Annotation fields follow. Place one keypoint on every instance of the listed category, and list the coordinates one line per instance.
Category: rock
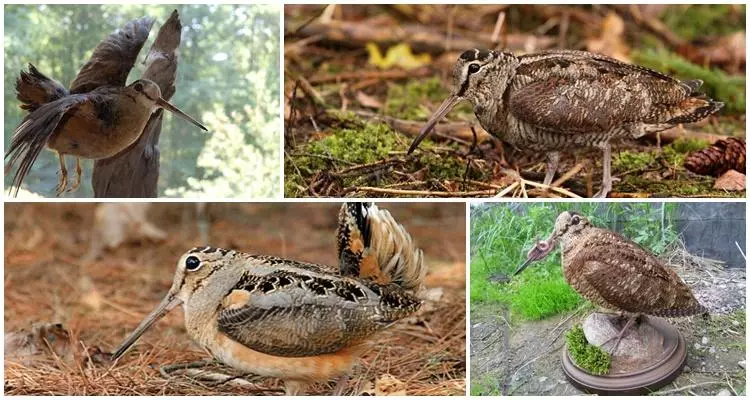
(687, 369)
(704, 341)
(697, 346)
(542, 379)
(599, 330)
(741, 364)
(724, 392)
(712, 350)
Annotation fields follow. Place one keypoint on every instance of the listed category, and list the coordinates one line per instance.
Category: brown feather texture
(616, 273)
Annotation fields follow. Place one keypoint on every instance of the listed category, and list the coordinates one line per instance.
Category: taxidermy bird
(97, 119)
(615, 273)
(301, 322)
(562, 100)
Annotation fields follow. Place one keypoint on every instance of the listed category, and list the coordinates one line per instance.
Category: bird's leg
(553, 159)
(632, 319)
(341, 385)
(606, 172)
(77, 181)
(295, 388)
(62, 182)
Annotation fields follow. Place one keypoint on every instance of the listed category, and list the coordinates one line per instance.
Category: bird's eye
(192, 263)
(575, 220)
(473, 68)
(138, 87)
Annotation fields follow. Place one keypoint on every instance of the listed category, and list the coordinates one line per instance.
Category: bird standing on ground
(562, 100)
(615, 273)
(97, 119)
(301, 322)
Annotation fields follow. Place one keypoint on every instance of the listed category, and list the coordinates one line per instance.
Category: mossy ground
(585, 355)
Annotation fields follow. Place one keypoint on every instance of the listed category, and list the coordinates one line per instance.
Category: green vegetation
(694, 21)
(357, 143)
(406, 101)
(501, 234)
(227, 77)
(586, 356)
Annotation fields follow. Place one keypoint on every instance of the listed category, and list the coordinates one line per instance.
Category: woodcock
(562, 100)
(300, 322)
(614, 272)
(98, 118)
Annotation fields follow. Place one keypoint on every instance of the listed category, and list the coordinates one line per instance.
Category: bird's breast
(313, 368)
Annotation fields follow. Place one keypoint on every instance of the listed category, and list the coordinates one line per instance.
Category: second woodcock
(563, 100)
(301, 322)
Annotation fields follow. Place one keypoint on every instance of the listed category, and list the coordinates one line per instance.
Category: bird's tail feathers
(372, 245)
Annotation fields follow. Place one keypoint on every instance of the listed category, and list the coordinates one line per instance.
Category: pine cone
(718, 158)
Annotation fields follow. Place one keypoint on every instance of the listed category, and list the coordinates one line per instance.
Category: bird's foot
(77, 181)
(62, 183)
(341, 384)
(628, 325)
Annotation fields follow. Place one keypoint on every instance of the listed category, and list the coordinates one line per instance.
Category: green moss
(408, 101)
(587, 356)
(365, 145)
(632, 160)
(694, 21)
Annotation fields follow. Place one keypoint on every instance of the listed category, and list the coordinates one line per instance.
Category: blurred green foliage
(228, 78)
(502, 233)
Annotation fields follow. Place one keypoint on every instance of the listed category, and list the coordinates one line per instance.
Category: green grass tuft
(586, 356)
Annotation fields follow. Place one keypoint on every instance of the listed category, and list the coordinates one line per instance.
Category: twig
(419, 192)
(568, 175)
(688, 387)
(366, 75)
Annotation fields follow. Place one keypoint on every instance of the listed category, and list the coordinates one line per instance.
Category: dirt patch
(102, 301)
(524, 358)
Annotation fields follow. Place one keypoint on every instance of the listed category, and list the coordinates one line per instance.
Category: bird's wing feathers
(569, 92)
(33, 89)
(630, 277)
(114, 57)
(293, 314)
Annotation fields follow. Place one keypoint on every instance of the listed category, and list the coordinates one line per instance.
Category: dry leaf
(388, 385)
(368, 101)
(399, 55)
(731, 181)
(611, 39)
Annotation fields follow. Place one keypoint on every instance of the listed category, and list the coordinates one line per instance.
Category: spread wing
(113, 58)
(40, 125)
(294, 314)
(33, 89)
(632, 279)
(572, 92)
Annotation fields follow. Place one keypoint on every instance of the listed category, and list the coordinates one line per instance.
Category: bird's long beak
(444, 109)
(169, 107)
(169, 302)
(539, 251)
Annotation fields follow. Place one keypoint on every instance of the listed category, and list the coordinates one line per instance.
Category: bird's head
(476, 74)
(568, 224)
(194, 272)
(148, 92)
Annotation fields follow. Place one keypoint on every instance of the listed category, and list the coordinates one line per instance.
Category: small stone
(735, 323)
(687, 369)
(697, 346)
(741, 364)
(703, 363)
(724, 392)
(542, 379)
(712, 350)
(704, 341)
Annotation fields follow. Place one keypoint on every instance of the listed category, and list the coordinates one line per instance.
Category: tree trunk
(134, 172)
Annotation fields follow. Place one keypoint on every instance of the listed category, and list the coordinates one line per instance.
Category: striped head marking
(476, 75)
(567, 224)
(194, 270)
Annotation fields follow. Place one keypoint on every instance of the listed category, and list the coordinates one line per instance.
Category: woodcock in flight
(98, 118)
(615, 273)
(562, 100)
(300, 322)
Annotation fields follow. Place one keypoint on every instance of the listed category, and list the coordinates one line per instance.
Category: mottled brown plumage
(562, 100)
(614, 272)
(292, 320)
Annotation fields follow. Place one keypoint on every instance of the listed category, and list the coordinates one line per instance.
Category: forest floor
(100, 302)
(524, 357)
(357, 95)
